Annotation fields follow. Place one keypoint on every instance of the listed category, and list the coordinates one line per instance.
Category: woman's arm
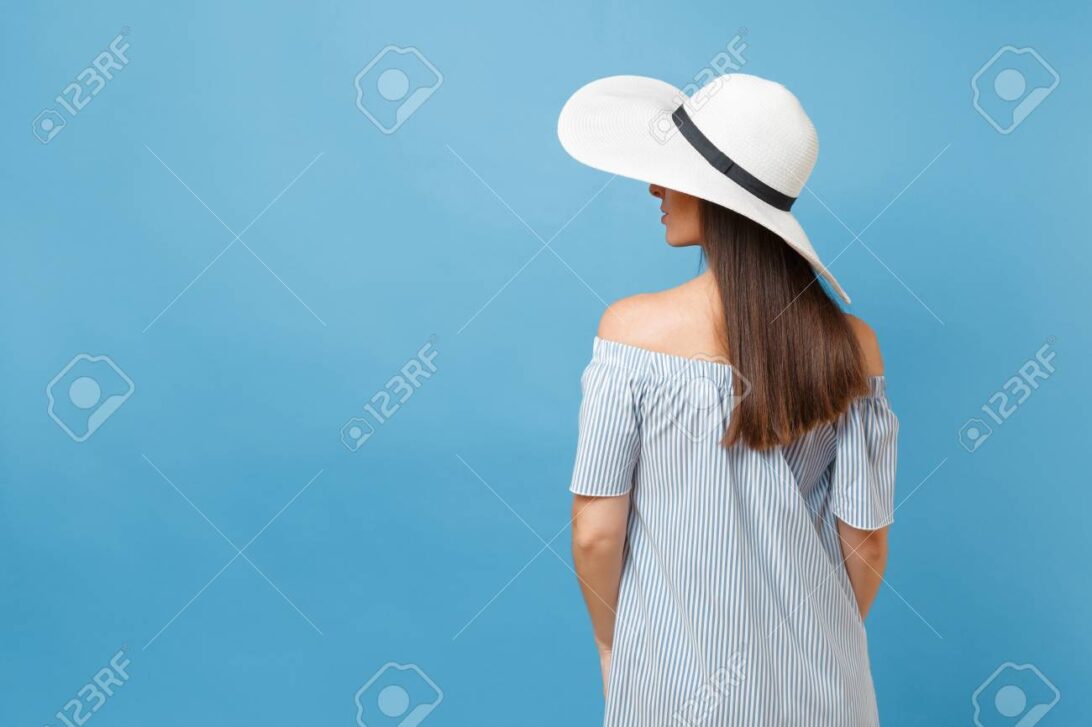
(599, 538)
(865, 551)
(865, 554)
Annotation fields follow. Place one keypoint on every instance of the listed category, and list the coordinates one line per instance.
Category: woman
(735, 468)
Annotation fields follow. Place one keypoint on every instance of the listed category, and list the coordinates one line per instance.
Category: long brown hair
(786, 336)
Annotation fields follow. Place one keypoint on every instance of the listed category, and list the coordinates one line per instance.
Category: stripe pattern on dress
(734, 606)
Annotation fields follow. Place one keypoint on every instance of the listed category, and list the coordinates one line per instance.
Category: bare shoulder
(869, 345)
(676, 321)
(633, 320)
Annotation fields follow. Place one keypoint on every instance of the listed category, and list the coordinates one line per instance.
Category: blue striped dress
(735, 607)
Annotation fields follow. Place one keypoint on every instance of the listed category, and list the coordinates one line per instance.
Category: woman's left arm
(599, 538)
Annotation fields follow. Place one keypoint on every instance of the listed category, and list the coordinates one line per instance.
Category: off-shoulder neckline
(639, 358)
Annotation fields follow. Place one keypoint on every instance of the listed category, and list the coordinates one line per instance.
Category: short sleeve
(863, 483)
(609, 439)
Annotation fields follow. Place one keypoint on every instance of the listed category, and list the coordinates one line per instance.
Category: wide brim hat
(740, 141)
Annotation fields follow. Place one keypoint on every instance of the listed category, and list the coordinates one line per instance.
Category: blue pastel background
(386, 242)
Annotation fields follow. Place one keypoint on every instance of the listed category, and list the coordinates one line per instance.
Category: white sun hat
(740, 141)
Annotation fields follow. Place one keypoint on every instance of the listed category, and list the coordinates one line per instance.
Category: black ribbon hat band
(724, 164)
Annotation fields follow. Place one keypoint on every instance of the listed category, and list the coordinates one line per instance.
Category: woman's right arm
(865, 554)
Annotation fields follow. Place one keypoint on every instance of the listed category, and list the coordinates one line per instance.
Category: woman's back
(687, 320)
(733, 594)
